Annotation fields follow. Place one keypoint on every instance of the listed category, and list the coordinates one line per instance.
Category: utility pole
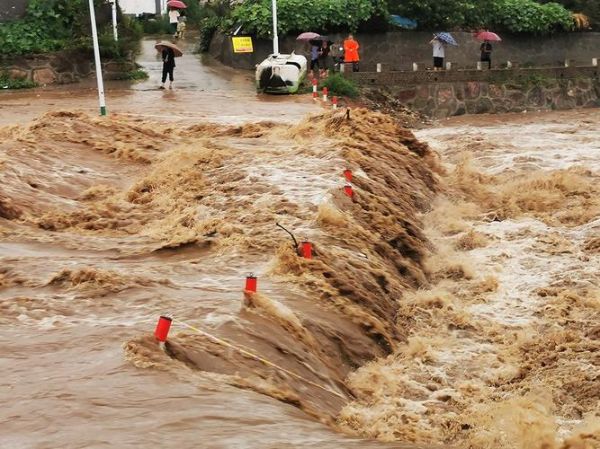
(97, 60)
(114, 19)
(275, 37)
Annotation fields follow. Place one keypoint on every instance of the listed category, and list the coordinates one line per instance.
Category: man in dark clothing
(486, 53)
(168, 57)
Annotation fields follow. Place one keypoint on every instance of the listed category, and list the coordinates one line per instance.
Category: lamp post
(275, 37)
(114, 19)
(98, 63)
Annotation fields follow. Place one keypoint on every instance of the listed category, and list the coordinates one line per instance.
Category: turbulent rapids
(453, 299)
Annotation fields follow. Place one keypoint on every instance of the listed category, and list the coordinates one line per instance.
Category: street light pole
(97, 60)
(114, 19)
(275, 37)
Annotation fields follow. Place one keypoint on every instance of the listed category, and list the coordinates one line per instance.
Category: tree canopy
(516, 16)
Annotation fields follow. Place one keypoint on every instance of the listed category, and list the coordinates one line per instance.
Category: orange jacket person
(351, 52)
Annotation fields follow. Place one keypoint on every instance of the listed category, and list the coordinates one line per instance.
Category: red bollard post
(315, 89)
(325, 92)
(307, 250)
(348, 175)
(334, 102)
(162, 328)
(348, 190)
(251, 283)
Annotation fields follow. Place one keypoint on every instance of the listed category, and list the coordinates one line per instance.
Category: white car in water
(281, 74)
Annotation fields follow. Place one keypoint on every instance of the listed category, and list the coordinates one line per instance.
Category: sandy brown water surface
(452, 302)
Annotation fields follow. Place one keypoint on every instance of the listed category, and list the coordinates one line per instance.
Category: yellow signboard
(242, 44)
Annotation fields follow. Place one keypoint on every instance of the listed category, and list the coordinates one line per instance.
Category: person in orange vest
(351, 52)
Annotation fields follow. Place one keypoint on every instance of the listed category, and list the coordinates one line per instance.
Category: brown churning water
(426, 314)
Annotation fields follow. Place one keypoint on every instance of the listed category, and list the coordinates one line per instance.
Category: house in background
(136, 7)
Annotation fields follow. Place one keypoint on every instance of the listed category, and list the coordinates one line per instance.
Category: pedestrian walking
(168, 58)
(351, 52)
(174, 20)
(486, 53)
(181, 27)
(439, 53)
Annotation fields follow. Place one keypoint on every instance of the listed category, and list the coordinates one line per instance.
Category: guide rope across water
(258, 358)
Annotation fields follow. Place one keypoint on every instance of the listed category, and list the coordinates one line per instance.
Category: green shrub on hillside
(208, 27)
(338, 85)
(6, 82)
(528, 16)
(52, 25)
(301, 15)
(516, 16)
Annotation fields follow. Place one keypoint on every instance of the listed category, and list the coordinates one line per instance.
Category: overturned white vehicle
(281, 74)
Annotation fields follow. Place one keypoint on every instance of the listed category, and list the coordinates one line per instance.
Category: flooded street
(452, 301)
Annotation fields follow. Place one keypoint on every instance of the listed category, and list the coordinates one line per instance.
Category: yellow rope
(256, 357)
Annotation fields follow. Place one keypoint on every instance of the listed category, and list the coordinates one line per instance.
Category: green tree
(590, 8)
(302, 15)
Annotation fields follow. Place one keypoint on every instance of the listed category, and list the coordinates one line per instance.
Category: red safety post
(251, 283)
(325, 92)
(348, 190)
(348, 175)
(307, 250)
(315, 89)
(162, 328)
(334, 102)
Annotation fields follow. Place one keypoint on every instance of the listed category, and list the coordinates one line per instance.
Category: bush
(135, 75)
(338, 85)
(527, 16)
(516, 16)
(208, 27)
(52, 25)
(6, 82)
(301, 15)
(159, 25)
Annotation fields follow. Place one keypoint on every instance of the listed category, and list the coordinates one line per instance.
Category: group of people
(439, 53)
(177, 21)
(325, 55)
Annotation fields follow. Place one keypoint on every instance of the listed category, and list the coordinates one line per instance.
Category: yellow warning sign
(242, 44)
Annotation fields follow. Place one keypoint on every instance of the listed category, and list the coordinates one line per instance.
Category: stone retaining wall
(398, 50)
(444, 94)
(62, 67)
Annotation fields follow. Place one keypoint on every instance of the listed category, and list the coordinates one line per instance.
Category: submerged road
(204, 90)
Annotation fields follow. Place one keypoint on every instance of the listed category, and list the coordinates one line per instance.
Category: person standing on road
(168, 58)
(315, 52)
(486, 53)
(174, 20)
(351, 52)
(324, 59)
(439, 53)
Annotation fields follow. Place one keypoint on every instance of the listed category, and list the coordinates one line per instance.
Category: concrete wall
(444, 94)
(398, 50)
(12, 9)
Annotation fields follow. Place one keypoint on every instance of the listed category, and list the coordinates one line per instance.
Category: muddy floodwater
(453, 300)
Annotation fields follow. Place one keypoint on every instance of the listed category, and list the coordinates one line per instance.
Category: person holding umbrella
(486, 53)
(315, 53)
(174, 20)
(169, 52)
(439, 52)
(486, 47)
(438, 43)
